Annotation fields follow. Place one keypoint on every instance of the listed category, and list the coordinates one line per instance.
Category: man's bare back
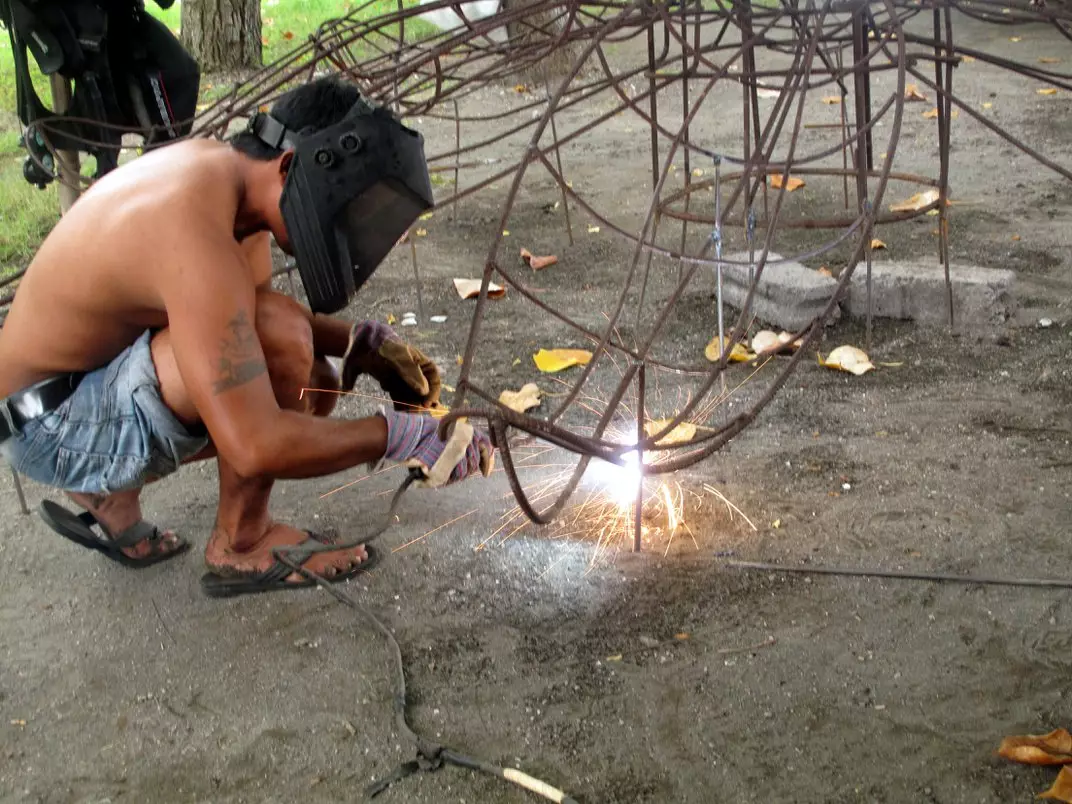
(94, 286)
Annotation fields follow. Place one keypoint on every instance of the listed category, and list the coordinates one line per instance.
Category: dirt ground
(117, 685)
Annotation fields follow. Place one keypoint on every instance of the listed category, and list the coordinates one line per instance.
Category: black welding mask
(352, 191)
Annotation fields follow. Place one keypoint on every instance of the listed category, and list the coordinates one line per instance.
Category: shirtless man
(145, 335)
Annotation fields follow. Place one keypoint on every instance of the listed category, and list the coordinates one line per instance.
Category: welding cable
(431, 756)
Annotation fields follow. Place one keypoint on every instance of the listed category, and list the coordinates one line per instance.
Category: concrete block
(916, 291)
(789, 295)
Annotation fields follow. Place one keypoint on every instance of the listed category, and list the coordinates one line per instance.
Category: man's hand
(413, 439)
(405, 372)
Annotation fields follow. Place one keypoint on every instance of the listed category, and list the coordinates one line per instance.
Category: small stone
(1045, 323)
(437, 319)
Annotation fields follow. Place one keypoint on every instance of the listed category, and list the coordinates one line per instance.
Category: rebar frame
(795, 49)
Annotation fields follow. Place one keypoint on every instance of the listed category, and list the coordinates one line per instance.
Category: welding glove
(413, 439)
(409, 376)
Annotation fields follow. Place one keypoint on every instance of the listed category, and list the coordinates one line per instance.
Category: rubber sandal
(79, 529)
(274, 579)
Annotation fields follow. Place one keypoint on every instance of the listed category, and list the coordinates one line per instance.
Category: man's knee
(286, 338)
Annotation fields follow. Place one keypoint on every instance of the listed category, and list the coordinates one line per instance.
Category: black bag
(130, 75)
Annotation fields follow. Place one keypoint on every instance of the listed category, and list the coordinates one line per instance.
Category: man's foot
(223, 560)
(120, 511)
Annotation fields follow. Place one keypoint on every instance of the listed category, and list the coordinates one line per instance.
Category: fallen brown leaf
(917, 202)
(470, 289)
(1054, 748)
(738, 354)
(832, 100)
(790, 185)
(877, 245)
(933, 113)
(824, 271)
(537, 263)
(912, 93)
(684, 432)
(1062, 787)
(527, 397)
(1047, 91)
(1048, 60)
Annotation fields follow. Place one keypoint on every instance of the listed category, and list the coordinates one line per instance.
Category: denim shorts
(112, 434)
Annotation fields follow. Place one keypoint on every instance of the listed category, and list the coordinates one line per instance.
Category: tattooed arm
(211, 305)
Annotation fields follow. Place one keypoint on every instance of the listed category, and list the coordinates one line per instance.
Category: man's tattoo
(240, 358)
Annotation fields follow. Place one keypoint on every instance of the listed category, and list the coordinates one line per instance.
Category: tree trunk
(222, 34)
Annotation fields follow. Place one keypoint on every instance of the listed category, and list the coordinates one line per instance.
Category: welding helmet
(352, 190)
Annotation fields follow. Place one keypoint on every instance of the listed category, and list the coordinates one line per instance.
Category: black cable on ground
(986, 580)
(431, 756)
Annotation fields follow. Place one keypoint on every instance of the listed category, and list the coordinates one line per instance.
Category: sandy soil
(118, 685)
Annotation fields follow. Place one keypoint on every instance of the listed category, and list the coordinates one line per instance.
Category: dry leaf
(681, 637)
(593, 229)
(790, 185)
(1054, 748)
(520, 88)
(912, 93)
(391, 320)
(877, 245)
(832, 100)
(824, 271)
(615, 658)
(421, 233)
(933, 113)
(1016, 38)
(551, 360)
(683, 433)
(537, 263)
(917, 202)
(765, 340)
(1062, 787)
(1016, 237)
(438, 410)
(967, 59)
(763, 92)
(786, 337)
(522, 400)
(1049, 60)
(848, 358)
(988, 106)
(1047, 91)
(506, 232)
(470, 288)
(517, 361)
(776, 524)
(738, 354)
(426, 216)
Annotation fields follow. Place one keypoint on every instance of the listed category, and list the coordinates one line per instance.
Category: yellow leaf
(421, 233)
(459, 359)
(892, 365)
(1062, 787)
(427, 216)
(776, 524)
(1047, 91)
(517, 361)
(912, 93)
(824, 271)
(738, 354)
(506, 232)
(877, 245)
(1054, 748)
(470, 288)
(592, 229)
(697, 172)
(967, 59)
(448, 388)
(931, 114)
(1049, 60)
(684, 432)
(438, 410)
(551, 360)
(615, 658)
(1016, 237)
(681, 637)
(537, 263)
(1016, 38)
(832, 100)
(790, 185)
(848, 358)
(391, 320)
(519, 88)
(988, 106)
(522, 400)
(917, 202)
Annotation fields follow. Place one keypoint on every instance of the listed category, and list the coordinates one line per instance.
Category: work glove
(410, 377)
(413, 439)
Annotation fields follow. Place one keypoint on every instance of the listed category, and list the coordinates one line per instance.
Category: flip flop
(79, 529)
(274, 579)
